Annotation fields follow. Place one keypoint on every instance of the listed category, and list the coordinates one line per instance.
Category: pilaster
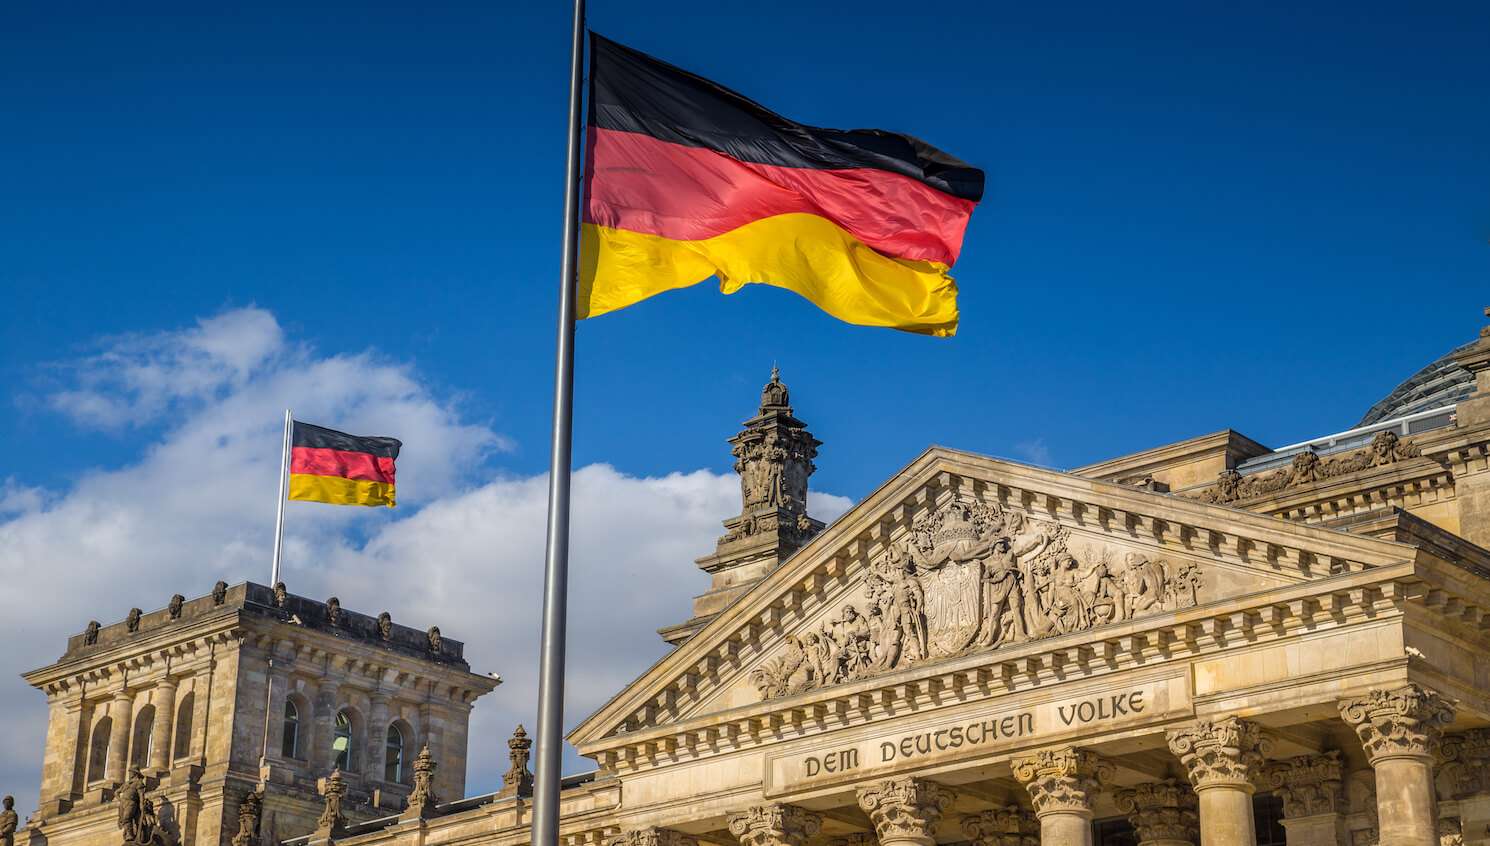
(905, 811)
(1402, 732)
(775, 824)
(1163, 813)
(1063, 783)
(1223, 757)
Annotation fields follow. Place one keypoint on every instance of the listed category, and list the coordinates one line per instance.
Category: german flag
(686, 179)
(331, 466)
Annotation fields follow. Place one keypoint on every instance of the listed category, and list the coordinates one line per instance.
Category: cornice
(1219, 535)
(176, 647)
(1227, 442)
(1365, 489)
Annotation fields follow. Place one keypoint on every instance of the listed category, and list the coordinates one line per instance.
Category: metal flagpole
(279, 514)
(556, 559)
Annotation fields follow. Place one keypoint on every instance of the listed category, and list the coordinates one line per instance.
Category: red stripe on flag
(339, 462)
(641, 184)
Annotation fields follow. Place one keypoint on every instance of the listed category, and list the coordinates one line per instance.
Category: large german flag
(331, 466)
(686, 179)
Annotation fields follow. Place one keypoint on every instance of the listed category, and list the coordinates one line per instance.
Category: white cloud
(462, 553)
(1034, 451)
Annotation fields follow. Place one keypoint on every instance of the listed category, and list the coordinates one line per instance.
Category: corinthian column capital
(653, 836)
(1220, 753)
(1403, 723)
(1007, 826)
(1161, 811)
(1308, 785)
(775, 825)
(1063, 780)
(904, 808)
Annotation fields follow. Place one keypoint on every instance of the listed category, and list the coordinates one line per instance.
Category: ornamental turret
(773, 455)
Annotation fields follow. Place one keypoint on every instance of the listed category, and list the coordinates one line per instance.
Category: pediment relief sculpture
(975, 576)
(1307, 468)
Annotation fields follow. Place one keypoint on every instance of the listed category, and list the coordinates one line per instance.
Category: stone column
(323, 724)
(1401, 731)
(121, 711)
(377, 738)
(775, 825)
(1222, 758)
(1313, 801)
(653, 836)
(905, 811)
(1163, 813)
(160, 733)
(1010, 825)
(1062, 785)
(1466, 772)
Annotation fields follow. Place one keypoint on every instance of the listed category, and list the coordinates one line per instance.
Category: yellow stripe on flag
(804, 253)
(339, 491)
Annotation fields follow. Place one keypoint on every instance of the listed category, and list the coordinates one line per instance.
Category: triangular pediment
(962, 555)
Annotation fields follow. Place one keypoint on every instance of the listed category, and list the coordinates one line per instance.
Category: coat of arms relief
(974, 576)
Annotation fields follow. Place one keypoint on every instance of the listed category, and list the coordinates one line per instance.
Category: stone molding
(1309, 468)
(1220, 753)
(1010, 825)
(1062, 781)
(905, 807)
(653, 836)
(1164, 810)
(776, 824)
(1404, 722)
(1309, 785)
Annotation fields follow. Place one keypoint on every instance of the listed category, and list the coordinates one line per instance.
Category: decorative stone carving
(974, 576)
(1466, 767)
(1161, 811)
(1307, 468)
(9, 821)
(219, 593)
(385, 625)
(281, 595)
(775, 825)
(422, 799)
(1407, 721)
(904, 807)
(1450, 831)
(90, 634)
(1062, 780)
(1226, 752)
(517, 781)
(333, 612)
(1308, 785)
(135, 813)
(132, 621)
(1010, 825)
(653, 836)
(773, 455)
(434, 638)
(332, 820)
(177, 603)
(250, 814)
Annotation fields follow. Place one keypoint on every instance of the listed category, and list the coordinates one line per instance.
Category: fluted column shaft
(121, 711)
(1401, 731)
(1222, 758)
(160, 732)
(1063, 783)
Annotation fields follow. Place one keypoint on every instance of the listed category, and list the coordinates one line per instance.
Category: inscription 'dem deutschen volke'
(975, 733)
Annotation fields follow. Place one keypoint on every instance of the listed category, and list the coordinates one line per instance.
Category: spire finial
(776, 371)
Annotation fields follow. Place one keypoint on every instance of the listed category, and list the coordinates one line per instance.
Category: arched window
(139, 744)
(98, 749)
(341, 742)
(393, 757)
(289, 747)
(182, 747)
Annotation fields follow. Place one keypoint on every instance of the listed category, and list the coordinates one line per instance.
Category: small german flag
(687, 179)
(331, 466)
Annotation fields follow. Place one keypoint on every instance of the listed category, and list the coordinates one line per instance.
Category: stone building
(1210, 642)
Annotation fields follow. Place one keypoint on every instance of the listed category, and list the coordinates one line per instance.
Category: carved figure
(9, 822)
(331, 819)
(250, 811)
(281, 595)
(130, 802)
(132, 622)
(422, 799)
(219, 593)
(518, 781)
(333, 611)
(90, 634)
(435, 640)
(177, 603)
(385, 625)
(973, 575)
(1307, 467)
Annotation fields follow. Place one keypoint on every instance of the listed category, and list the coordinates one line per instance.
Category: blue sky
(1263, 217)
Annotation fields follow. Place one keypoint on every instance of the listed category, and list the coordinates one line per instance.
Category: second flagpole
(556, 559)
(279, 512)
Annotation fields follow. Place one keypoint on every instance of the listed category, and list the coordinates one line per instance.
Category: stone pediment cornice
(1421, 479)
(167, 650)
(1220, 536)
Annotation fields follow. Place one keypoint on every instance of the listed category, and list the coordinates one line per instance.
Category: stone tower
(236, 706)
(773, 455)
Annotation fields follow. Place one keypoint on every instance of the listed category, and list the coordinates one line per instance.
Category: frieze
(1307, 468)
(975, 576)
